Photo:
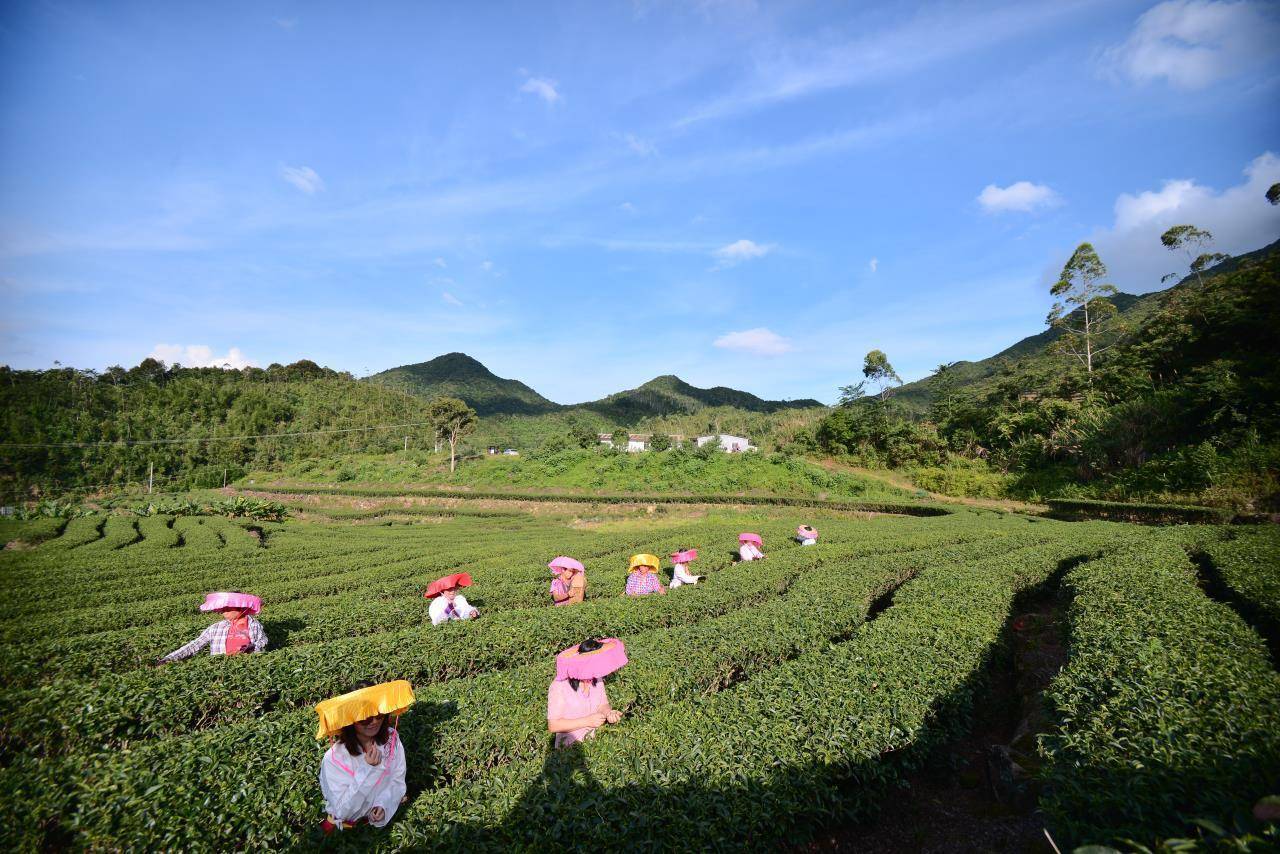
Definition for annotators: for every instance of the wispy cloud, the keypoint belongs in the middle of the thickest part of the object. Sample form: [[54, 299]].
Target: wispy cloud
[[451, 299], [739, 251], [1194, 43], [286, 23], [930, 37], [1020, 196], [543, 88], [200, 356], [302, 177], [759, 341], [639, 146], [873, 265], [440, 262]]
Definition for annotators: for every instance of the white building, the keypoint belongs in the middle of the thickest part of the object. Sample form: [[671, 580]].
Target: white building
[[730, 444]]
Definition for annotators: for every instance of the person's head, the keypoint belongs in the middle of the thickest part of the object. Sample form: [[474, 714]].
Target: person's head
[[588, 645], [377, 728], [232, 614], [449, 594]]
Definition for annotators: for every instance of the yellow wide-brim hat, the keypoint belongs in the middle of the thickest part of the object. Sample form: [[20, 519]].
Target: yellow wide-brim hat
[[645, 560], [389, 698]]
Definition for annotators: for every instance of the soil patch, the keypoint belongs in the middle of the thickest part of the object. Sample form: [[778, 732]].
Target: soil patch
[[977, 794]]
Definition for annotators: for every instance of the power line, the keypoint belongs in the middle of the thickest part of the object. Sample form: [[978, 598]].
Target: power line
[[129, 442]]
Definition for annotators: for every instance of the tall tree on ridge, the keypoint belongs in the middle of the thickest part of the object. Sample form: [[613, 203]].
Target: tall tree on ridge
[[1083, 313], [454, 419], [877, 369], [1192, 242]]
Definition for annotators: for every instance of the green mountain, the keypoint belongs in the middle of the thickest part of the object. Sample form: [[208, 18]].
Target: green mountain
[[669, 395], [1031, 353], [459, 375]]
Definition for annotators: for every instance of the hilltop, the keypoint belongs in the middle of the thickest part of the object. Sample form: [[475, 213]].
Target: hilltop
[[669, 395], [459, 375]]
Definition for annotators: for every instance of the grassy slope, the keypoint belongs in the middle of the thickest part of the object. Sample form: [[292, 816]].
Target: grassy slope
[[589, 471]]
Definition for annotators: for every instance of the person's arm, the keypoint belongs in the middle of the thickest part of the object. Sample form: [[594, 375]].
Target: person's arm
[[190, 649], [346, 786], [556, 712], [258, 635], [560, 592], [436, 611], [463, 607], [392, 787]]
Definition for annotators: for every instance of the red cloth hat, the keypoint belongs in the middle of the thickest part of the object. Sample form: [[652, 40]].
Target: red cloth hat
[[458, 579]]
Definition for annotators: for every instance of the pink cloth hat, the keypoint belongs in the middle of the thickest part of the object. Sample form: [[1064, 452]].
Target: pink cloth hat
[[243, 601], [572, 664], [804, 532], [563, 562], [750, 538], [684, 556]]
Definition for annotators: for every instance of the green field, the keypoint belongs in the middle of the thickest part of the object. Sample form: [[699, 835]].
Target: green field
[[772, 702], [591, 471]]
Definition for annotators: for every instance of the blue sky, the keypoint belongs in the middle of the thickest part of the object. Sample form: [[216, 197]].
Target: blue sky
[[587, 195]]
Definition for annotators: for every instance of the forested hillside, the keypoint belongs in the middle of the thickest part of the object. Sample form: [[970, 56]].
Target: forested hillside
[[52, 421], [1184, 404]]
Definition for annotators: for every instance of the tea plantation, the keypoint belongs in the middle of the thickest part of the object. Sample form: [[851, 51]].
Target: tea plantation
[[776, 699]]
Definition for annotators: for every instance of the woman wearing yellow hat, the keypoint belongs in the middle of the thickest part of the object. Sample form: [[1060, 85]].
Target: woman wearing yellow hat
[[362, 773], [643, 579]]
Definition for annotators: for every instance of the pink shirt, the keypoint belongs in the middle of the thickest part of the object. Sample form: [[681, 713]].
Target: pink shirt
[[564, 702]]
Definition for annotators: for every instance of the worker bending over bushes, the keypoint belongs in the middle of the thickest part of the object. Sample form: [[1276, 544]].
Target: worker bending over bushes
[[750, 547], [643, 579], [238, 630], [446, 602], [807, 535], [362, 774], [577, 704], [680, 573], [569, 585]]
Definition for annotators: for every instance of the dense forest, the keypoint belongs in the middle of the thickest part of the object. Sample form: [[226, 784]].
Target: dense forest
[[65, 428]]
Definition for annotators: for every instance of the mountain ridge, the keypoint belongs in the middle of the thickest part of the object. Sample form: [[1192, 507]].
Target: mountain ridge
[[462, 376]]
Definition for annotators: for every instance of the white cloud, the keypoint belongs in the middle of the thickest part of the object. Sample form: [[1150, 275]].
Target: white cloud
[[1193, 43], [639, 146], [451, 299], [286, 23], [739, 251], [874, 264], [302, 177], [759, 341], [1239, 217], [627, 207], [543, 88], [487, 266], [439, 262], [1019, 196], [199, 356]]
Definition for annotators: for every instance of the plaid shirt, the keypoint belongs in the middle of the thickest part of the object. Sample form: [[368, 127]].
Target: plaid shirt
[[642, 583], [215, 637]]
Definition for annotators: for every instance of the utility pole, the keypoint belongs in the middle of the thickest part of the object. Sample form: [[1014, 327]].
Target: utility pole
[[406, 444], [151, 471], [224, 477]]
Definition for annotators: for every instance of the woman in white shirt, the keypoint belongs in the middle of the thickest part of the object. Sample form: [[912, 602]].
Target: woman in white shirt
[[749, 547], [680, 573], [446, 602], [362, 775]]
